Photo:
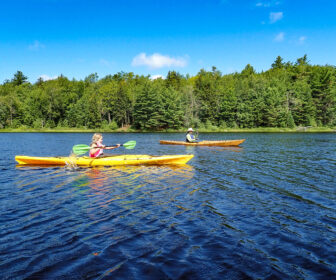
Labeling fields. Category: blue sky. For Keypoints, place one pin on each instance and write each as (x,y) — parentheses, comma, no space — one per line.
(46,38)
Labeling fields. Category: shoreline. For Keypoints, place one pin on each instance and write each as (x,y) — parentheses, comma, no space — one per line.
(214,130)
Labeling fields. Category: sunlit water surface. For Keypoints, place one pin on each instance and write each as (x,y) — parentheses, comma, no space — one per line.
(265,210)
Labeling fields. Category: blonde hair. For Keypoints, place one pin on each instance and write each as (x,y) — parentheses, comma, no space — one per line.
(96,137)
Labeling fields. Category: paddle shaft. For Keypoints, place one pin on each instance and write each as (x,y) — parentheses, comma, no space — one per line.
(107,147)
(81,149)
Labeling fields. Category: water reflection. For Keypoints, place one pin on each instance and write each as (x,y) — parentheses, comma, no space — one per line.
(107,185)
(190,149)
(195,149)
(262,211)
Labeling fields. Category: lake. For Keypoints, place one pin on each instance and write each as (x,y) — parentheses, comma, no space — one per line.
(265,210)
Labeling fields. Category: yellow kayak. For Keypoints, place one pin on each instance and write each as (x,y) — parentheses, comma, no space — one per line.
(222,143)
(106,161)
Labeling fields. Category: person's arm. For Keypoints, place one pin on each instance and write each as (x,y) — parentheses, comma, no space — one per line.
(113,147)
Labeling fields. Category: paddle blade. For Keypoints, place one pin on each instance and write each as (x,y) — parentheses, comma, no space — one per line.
(80,149)
(129,145)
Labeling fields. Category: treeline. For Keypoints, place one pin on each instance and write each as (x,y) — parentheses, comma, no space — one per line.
(287,95)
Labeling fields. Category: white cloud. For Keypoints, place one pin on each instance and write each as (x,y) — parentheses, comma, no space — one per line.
(47,78)
(280,37)
(157,60)
(274,17)
(267,4)
(154,77)
(263,4)
(35,46)
(302,39)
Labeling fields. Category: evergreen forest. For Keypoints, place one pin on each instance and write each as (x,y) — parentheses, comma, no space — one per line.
(288,95)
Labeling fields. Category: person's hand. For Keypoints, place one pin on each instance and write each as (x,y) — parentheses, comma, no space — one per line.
(118,145)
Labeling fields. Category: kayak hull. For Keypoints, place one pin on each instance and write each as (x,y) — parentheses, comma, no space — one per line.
(223,143)
(106,161)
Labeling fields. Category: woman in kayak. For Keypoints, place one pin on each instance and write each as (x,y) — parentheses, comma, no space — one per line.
(190,137)
(97,146)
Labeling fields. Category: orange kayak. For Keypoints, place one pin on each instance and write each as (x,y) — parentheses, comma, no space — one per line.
(222,143)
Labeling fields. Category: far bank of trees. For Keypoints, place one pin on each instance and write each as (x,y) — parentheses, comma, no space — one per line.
(287,95)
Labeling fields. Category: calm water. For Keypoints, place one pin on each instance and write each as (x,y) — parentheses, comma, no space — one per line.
(266,210)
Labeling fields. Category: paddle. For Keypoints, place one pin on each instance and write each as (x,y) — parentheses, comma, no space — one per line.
(81,149)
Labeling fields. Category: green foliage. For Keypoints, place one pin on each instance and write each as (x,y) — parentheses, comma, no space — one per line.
(323,86)
(19,78)
(109,126)
(3,112)
(248,71)
(174,80)
(290,120)
(302,60)
(286,96)
(172,109)
(148,108)
(278,63)
(38,123)
(207,90)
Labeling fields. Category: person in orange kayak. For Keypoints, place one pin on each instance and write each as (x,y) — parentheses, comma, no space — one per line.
(190,137)
(97,146)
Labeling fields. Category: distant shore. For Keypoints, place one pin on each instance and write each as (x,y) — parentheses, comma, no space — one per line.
(212,130)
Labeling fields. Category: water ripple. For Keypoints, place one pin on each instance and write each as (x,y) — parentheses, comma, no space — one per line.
(265,210)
